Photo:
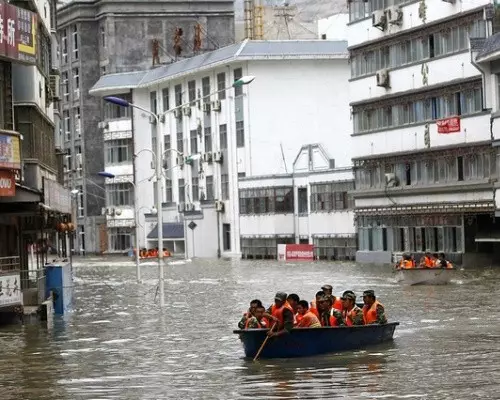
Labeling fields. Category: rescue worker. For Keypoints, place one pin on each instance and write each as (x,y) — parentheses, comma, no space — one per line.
(282,315)
(406,262)
(329,316)
(293,299)
(314,303)
(373,310)
(250,313)
(305,318)
(337,302)
(442,262)
(427,261)
(257,320)
(352,314)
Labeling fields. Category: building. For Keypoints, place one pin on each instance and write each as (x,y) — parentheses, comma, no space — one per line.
(248,131)
(101,38)
(423,159)
(310,205)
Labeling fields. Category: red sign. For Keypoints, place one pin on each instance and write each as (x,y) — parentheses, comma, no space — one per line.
(7,184)
(17,33)
(448,125)
(300,252)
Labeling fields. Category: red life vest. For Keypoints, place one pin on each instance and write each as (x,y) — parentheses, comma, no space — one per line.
(337,304)
(370,313)
(278,313)
(348,314)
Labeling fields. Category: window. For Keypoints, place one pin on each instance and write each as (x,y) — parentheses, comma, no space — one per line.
(221,85)
(64,45)
(209,181)
(77,122)
(223,136)
(113,111)
(266,200)
(168,191)
(196,188)
(205,87)
(240,134)
(79,201)
(335,248)
(166,99)
(262,248)
(76,83)
(153,102)
(119,239)
(302,197)
(224,182)
(192,92)
(331,196)
(238,73)
(75,42)
(65,86)
(180,142)
(118,151)
(193,135)
(182,192)
(178,95)
(67,125)
(103,36)
(226,237)
(120,194)
(208,139)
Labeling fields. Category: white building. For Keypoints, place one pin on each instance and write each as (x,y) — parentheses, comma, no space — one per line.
(422,143)
(249,131)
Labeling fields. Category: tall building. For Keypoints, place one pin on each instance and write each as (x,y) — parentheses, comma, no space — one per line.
(100,38)
(423,160)
(247,131)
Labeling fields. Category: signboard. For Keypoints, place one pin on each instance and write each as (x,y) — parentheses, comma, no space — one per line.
(7,184)
(448,125)
(56,196)
(10,290)
(17,33)
(10,156)
(295,252)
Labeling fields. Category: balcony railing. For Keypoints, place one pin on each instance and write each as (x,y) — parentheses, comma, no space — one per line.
(9,265)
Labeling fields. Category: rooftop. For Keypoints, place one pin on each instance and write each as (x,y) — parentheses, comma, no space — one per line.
(247,50)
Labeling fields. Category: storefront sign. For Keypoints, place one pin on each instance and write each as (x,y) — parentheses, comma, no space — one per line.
(448,125)
(7,184)
(10,156)
(10,290)
(17,33)
(295,252)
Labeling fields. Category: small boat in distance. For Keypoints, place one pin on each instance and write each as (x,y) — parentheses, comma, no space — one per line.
(306,342)
(425,276)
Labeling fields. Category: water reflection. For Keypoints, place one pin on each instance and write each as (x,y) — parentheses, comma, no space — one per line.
(117,344)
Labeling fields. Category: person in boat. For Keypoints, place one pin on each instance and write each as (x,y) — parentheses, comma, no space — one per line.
(337,302)
(257,320)
(328,315)
(305,318)
(352,314)
(254,304)
(442,262)
(293,300)
(406,262)
(427,261)
(281,313)
(373,310)
(319,295)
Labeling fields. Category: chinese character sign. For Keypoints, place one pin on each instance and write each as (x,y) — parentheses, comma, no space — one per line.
(10,157)
(17,33)
(448,125)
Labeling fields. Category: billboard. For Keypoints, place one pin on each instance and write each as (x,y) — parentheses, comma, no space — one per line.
(10,155)
(448,125)
(18,29)
(295,252)
(7,183)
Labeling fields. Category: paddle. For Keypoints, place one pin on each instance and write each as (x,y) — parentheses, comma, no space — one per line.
(264,343)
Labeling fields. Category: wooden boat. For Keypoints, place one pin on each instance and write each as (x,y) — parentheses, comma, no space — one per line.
(425,276)
(305,342)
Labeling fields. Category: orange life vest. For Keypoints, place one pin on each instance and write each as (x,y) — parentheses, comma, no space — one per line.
(314,311)
(449,265)
(261,324)
(278,313)
(337,304)
(406,264)
(429,262)
(348,314)
(307,320)
(370,313)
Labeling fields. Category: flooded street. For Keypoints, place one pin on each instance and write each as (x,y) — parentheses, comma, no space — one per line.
(117,344)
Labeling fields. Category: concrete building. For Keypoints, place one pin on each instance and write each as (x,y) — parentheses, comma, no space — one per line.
(421,139)
(105,38)
(243,132)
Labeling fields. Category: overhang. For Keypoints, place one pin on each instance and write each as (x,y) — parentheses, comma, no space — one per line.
(170,231)
(479,207)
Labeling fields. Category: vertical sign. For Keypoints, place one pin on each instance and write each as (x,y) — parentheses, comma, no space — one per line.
(10,156)
(7,184)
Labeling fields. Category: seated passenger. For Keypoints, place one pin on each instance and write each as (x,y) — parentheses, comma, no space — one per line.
(352,314)
(314,303)
(329,316)
(257,320)
(373,310)
(293,300)
(442,262)
(305,318)
(250,313)
(282,315)
(406,262)
(427,261)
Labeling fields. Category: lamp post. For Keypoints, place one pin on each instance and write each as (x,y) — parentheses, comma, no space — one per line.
(158,155)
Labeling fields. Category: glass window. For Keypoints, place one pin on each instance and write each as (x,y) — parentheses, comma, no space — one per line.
(178,95)
(166,99)
(75,42)
(238,74)
(118,151)
(223,136)
(182,191)
(120,239)
(120,194)
(113,111)
(240,134)
(205,87)
(196,188)
(208,139)
(221,85)
(224,178)
(193,136)
(192,92)
(180,142)
(210,187)
(168,191)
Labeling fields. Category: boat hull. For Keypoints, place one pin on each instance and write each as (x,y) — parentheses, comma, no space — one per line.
(305,342)
(425,276)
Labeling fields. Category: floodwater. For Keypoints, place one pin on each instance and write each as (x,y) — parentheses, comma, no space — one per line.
(117,344)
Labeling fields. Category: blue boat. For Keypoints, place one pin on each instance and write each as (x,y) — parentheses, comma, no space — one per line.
(305,342)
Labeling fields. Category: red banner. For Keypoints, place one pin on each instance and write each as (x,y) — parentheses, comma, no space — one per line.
(448,125)
(300,252)
(7,184)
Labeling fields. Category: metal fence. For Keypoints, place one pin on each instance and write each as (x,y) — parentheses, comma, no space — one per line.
(9,264)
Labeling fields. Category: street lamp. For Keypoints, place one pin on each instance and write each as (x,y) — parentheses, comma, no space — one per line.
(158,155)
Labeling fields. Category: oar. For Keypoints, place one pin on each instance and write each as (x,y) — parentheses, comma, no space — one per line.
(263,344)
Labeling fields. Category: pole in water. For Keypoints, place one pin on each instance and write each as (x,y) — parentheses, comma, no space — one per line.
(264,343)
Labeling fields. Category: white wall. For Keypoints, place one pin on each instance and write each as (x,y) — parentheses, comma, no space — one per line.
(204,235)
(262,224)
(295,102)
(334,27)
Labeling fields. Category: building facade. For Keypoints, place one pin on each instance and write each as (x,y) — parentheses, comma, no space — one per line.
(421,138)
(98,39)
(247,131)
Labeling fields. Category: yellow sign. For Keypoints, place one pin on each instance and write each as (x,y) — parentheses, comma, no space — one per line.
(10,155)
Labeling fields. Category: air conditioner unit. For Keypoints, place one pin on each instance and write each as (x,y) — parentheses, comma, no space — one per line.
(178,113)
(383,78)
(216,105)
(219,206)
(218,157)
(394,15)
(391,179)
(208,157)
(189,207)
(110,211)
(379,19)
(180,160)
(55,86)
(103,125)
(206,107)
(152,120)
(181,207)
(187,111)
(103,211)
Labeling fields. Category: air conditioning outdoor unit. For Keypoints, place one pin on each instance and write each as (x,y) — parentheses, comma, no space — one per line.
(152,120)
(383,78)
(103,211)
(208,157)
(103,125)
(218,157)
(110,211)
(219,206)
(189,207)
(391,179)
(181,207)
(394,15)
(187,111)
(178,113)
(206,107)
(216,105)
(379,19)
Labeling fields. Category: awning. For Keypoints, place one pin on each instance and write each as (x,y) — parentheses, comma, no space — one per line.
(487,237)
(171,230)
(422,209)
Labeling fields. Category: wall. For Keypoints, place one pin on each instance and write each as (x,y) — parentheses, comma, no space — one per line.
(204,235)
(334,27)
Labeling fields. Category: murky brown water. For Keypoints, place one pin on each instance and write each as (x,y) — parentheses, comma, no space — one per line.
(118,345)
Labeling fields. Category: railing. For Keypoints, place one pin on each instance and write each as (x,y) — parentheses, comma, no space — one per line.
(9,264)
